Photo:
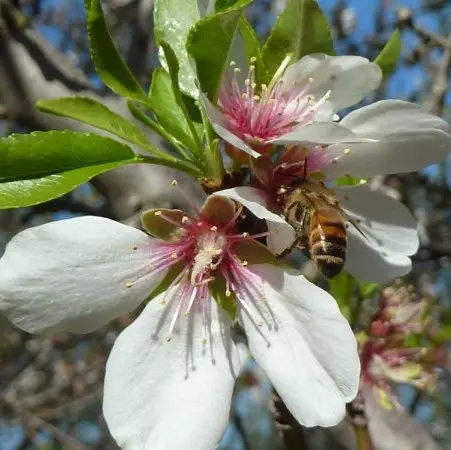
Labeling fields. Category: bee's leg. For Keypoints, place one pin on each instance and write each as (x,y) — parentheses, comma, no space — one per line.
(301,237)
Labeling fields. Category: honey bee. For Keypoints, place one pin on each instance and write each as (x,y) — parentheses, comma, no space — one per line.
(313,211)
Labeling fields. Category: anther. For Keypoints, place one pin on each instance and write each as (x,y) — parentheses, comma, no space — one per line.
(232,63)
(251,68)
(282,190)
(204,341)
(168,338)
(253,59)
(256,98)
(158,213)
(174,255)
(311,79)
(214,228)
(244,263)
(185,219)
(228,293)
(346,151)
(247,81)
(253,85)
(128,284)
(174,183)
(135,247)
(245,234)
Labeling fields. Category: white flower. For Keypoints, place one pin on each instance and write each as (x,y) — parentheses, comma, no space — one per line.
(299,104)
(171,373)
(377,250)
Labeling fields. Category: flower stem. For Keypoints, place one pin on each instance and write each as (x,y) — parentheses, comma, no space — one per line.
(290,431)
(363,438)
(359,420)
(213,153)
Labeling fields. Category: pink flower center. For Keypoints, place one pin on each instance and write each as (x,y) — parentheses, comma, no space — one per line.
(205,251)
(258,114)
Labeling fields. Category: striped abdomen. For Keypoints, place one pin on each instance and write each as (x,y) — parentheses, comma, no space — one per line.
(328,241)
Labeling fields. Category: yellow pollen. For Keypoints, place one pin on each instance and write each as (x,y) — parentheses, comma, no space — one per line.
(247,82)
(282,190)
(237,70)
(346,151)
(214,228)
(174,183)
(186,313)
(185,219)
(245,234)
(256,98)
(264,87)
(232,63)
(128,284)
(253,60)
(251,68)
(204,341)
(228,293)
(254,85)
(158,213)
(244,263)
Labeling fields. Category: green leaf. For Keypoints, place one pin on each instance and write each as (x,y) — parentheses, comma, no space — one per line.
(209,43)
(300,29)
(253,49)
(167,109)
(172,22)
(222,5)
(389,55)
(342,288)
(88,110)
(348,180)
(41,166)
(108,62)
(442,336)
(173,67)
(367,289)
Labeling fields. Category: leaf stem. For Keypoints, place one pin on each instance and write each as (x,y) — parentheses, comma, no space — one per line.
(180,164)
(157,128)
(212,150)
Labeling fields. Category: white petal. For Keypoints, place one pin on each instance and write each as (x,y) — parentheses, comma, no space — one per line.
(176,395)
(390,234)
(217,121)
(349,78)
(306,347)
(317,133)
(281,233)
(406,139)
(72,274)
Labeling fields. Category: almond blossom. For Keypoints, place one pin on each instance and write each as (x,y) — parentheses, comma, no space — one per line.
(297,110)
(385,353)
(171,373)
